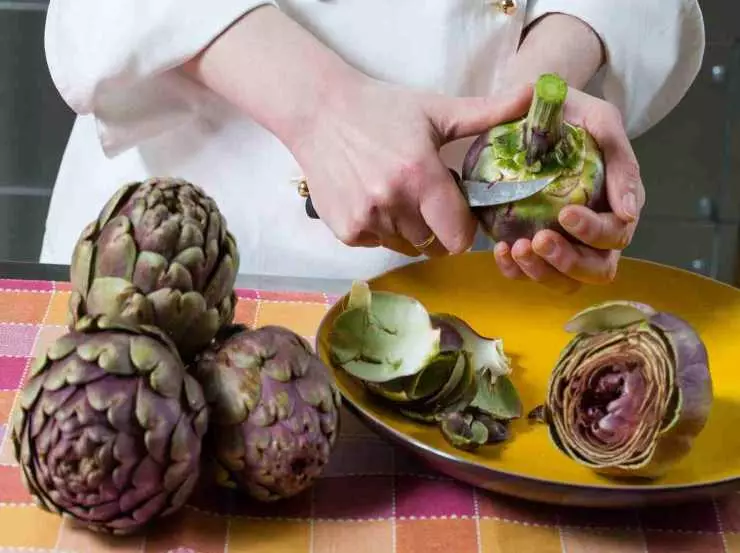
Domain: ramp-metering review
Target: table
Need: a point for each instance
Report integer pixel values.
(372, 498)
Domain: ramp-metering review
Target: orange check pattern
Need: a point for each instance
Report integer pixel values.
(372, 498)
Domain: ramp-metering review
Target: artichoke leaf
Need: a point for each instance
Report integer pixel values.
(487, 354)
(463, 431)
(437, 375)
(360, 296)
(609, 315)
(499, 398)
(383, 337)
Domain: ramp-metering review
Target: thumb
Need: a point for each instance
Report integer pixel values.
(456, 118)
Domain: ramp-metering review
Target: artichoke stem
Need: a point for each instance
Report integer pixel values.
(544, 124)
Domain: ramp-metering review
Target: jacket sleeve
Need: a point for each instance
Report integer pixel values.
(654, 50)
(116, 60)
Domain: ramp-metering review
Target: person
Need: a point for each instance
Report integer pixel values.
(370, 101)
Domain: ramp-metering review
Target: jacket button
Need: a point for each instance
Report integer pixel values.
(508, 7)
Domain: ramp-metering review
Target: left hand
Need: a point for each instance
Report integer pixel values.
(549, 258)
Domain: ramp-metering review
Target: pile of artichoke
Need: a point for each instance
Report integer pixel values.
(154, 385)
(430, 367)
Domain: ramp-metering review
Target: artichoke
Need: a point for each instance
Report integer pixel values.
(159, 254)
(630, 392)
(537, 146)
(274, 411)
(431, 367)
(108, 429)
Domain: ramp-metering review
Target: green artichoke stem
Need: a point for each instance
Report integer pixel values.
(544, 125)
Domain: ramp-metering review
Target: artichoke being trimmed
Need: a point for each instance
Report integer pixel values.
(274, 411)
(428, 366)
(630, 392)
(108, 429)
(537, 146)
(159, 253)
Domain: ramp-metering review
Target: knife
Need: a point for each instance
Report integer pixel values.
(486, 194)
(477, 193)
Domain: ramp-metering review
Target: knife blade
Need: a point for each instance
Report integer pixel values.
(486, 194)
(477, 193)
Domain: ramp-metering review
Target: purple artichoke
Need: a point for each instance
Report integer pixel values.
(274, 411)
(159, 254)
(630, 392)
(540, 145)
(109, 427)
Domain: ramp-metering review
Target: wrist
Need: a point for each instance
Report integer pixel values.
(557, 43)
(333, 88)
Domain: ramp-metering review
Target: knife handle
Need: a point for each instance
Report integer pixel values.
(311, 211)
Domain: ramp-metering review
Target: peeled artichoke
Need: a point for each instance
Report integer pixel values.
(159, 253)
(540, 145)
(432, 367)
(274, 411)
(630, 392)
(108, 429)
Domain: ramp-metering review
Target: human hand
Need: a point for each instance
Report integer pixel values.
(554, 261)
(371, 161)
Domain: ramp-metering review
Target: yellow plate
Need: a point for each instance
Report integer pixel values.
(530, 320)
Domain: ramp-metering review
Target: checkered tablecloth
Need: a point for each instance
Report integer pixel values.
(373, 498)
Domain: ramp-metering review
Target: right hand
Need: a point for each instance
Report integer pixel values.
(371, 161)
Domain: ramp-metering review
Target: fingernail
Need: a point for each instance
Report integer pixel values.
(629, 204)
(548, 247)
(571, 220)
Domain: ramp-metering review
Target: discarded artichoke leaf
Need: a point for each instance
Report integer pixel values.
(538, 414)
(450, 398)
(392, 390)
(426, 418)
(464, 393)
(463, 431)
(499, 399)
(497, 431)
(388, 337)
(460, 371)
(360, 296)
(434, 377)
(608, 316)
(485, 353)
(629, 400)
(424, 384)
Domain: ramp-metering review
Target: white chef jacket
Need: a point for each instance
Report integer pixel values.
(115, 63)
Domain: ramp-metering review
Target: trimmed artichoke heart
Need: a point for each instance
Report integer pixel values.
(630, 392)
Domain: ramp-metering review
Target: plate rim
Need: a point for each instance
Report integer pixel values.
(630, 488)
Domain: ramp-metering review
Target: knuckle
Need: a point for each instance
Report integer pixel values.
(352, 231)
(460, 243)
(631, 172)
(381, 197)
